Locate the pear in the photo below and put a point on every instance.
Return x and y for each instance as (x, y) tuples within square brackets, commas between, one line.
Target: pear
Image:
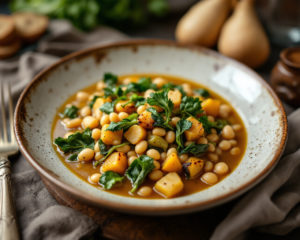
[(243, 37), (202, 24)]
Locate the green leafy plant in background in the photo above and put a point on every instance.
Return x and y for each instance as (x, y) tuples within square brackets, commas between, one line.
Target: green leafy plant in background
[(88, 14)]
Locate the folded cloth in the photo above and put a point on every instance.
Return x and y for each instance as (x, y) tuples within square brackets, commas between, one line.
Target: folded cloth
[(39, 215), (273, 206)]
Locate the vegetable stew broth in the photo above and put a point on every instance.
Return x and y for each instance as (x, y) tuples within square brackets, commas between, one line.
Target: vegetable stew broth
[(216, 163)]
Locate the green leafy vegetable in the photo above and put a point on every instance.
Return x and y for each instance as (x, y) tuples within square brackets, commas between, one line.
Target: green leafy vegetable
[(172, 86), (114, 92), (138, 171), (202, 92), (106, 152), (110, 79), (158, 7), (182, 126), (108, 107), (70, 112), (91, 104), (109, 179), (124, 124), (73, 157), (141, 85), (190, 106), (208, 125), (161, 99), (76, 142), (159, 121), (136, 99), (194, 148)]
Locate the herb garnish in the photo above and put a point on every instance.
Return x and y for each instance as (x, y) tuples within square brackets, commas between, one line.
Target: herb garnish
[(91, 104), (108, 107), (194, 148), (202, 92), (106, 152), (138, 171), (75, 143), (159, 121), (124, 124), (141, 85), (110, 79), (136, 99), (190, 106), (172, 86), (182, 126), (208, 125), (109, 179), (70, 112)]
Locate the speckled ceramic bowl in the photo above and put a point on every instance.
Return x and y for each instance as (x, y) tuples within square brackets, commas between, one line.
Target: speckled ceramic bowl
[(254, 100)]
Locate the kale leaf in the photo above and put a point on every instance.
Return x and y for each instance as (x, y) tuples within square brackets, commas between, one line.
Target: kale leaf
[(202, 92), (138, 171), (70, 112), (109, 179), (190, 106), (182, 126), (124, 124), (194, 148)]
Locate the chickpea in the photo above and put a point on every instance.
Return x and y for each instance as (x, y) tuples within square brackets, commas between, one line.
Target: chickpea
[(183, 157), (85, 111), (159, 131), (188, 143), (156, 164), (148, 93), (235, 151), (209, 178), (225, 145), (213, 131), (98, 114), (211, 147), (100, 85), (131, 153), (123, 115), (213, 157), (213, 137), (171, 150), (116, 142), (96, 147), (233, 142), (228, 132), (90, 122), (175, 120), (126, 81), (96, 132), (95, 177), (104, 120), (219, 151), (141, 147), (210, 118), (82, 96), (224, 110), (68, 134), (153, 153), (141, 109), (208, 166), (73, 123), (86, 155), (221, 168), (170, 136), (144, 191), (98, 156), (187, 88), (202, 140), (236, 127), (114, 117), (124, 149), (155, 175), (163, 156), (131, 159), (159, 82)]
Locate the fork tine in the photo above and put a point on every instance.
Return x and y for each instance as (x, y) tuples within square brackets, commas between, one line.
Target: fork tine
[(11, 114), (3, 114)]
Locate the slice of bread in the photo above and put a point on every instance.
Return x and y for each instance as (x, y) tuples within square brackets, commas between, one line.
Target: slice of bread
[(10, 49), (7, 29), (30, 26)]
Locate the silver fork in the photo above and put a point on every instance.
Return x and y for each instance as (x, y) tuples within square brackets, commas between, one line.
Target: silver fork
[(8, 147)]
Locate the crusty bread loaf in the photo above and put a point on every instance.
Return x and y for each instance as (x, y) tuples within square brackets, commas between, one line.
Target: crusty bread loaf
[(10, 49), (30, 26), (7, 29)]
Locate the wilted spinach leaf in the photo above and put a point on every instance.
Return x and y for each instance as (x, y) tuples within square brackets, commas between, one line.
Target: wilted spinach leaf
[(109, 179)]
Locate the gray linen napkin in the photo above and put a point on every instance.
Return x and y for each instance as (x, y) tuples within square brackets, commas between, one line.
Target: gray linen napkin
[(39, 215)]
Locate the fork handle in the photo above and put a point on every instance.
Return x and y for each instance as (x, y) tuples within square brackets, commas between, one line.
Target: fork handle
[(8, 221)]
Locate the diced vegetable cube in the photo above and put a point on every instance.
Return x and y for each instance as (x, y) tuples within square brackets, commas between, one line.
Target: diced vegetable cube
[(175, 97), (109, 137), (135, 134), (193, 166), (169, 185), (172, 163), (211, 106), (195, 131), (157, 141), (116, 162), (145, 120)]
